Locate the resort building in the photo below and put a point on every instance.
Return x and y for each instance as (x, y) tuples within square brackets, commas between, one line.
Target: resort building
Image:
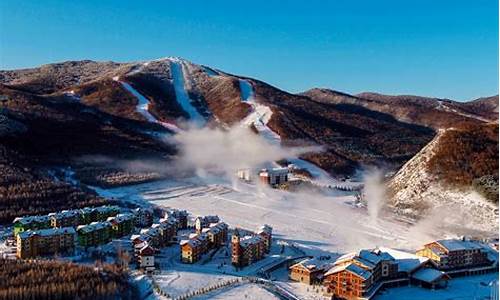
[(97, 214), (266, 233), (455, 254), (121, 224), (65, 218), (309, 271), (181, 216), (34, 243), (204, 222), (191, 250), (248, 249), (143, 216), (273, 176), (155, 236), (357, 275), (22, 224), (216, 234), (94, 234), (146, 257), (167, 232)]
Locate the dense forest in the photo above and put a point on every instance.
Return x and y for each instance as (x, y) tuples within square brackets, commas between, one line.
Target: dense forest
[(58, 280), (468, 155)]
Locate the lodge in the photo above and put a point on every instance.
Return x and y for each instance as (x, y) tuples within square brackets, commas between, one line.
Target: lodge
[(34, 243)]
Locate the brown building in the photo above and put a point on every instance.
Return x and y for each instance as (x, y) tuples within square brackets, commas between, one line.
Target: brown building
[(309, 271), (204, 222), (191, 250), (46, 242), (247, 249), (455, 254), (65, 218), (216, 234), (181, 216), (355, 275)]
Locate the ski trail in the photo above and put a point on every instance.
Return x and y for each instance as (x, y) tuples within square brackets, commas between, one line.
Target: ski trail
[(143, 105), (260, 116), (181, 95)]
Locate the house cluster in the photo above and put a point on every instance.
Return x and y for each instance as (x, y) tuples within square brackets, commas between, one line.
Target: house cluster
[(148, 242), (210, 234), (61, 232), (360, 275), (251, 247)]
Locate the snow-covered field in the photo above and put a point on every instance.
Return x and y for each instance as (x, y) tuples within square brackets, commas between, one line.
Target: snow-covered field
[(473, 287), (245, 291)]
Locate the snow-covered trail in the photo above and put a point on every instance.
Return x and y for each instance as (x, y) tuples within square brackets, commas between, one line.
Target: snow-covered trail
[(143, 105), (181, 94), (260, 116)]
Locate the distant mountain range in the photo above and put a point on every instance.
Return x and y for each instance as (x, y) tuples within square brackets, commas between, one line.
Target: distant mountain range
[(55, 114)]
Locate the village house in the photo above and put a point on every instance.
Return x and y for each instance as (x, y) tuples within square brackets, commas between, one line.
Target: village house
[(94, 234), (309, 271), (121, 224), (30, 223), (65, 218), (34, 243), (273, 176), (167, 232), (248, 249), (143, 216), (357, 275), (455, 254), (204, 222)]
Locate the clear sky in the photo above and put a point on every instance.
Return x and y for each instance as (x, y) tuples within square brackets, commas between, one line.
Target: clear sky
[(436, 48)]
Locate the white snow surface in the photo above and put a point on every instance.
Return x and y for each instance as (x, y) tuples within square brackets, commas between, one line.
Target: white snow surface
[(143, 105), (260, 116), (244, 291), (177, 69)]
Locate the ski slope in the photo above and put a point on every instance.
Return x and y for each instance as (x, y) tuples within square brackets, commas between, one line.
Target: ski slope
[(260, 116), (181, 95)]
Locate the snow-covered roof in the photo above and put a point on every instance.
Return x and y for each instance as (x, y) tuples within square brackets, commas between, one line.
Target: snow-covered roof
[(47, 232), (458, 245), (249, 240), (352, 268), (93, 226), (265, 229), (407, 262), (429, 275), (64, 214), (30, 219), (313, 264)]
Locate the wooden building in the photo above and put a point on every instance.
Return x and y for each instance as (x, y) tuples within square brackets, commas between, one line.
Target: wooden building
[(455, 254), (309, 271), (34, 243), (247, 249)]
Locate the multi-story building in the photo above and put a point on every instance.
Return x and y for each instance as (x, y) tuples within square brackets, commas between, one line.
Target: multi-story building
[(247, 249), (97, 214), (155, 236), (143, 216), (455, 254), (266, 233), (121, 224), (65, 218), (216, 234), (94, 234), (33, 243), (309, 271), (355, 275), (167, 231), (204, 222), (22, 224), (180, 215), (146, 257), (273, 176), (191, 250)]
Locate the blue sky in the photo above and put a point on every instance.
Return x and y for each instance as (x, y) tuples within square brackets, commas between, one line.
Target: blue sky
[(432, 48)]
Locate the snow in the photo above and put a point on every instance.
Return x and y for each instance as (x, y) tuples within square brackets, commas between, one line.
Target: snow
[(244, 291), (143, 106), (427, 275), (181, 94), (177, 283), (210, 72), (471, 287), (260, 116)]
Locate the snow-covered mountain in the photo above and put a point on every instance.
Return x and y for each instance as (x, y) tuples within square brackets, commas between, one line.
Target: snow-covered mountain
[(78, 109)]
